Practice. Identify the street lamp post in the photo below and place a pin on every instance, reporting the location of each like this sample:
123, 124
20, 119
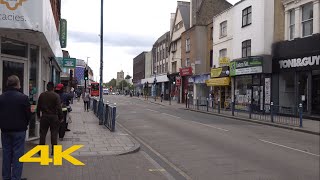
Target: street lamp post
101, 51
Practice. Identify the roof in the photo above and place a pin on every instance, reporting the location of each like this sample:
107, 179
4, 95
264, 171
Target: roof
185, 14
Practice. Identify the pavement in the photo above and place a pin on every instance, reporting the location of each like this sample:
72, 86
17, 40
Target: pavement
309, 126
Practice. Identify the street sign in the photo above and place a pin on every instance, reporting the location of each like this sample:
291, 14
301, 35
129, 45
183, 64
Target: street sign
69, 62
63, 33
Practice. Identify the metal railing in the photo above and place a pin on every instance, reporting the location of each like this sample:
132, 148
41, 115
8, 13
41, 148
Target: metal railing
271, 113
105, 112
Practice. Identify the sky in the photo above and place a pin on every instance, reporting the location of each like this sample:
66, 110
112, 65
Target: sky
130, 27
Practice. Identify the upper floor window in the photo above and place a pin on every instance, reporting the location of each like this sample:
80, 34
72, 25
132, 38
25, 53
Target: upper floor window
307, 19
178, 26
187, 62
174, 46
223, 29
13, 47
292, 23
188, 45
246, 16
246, 48
223, 53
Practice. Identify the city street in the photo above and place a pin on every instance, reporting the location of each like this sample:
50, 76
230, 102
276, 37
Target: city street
191, 145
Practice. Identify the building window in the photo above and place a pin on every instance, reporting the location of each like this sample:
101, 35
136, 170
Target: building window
246, 48
174, 46
163, 68
188, 45
223, 29
246, 16
178, 26
13, 47
187, 62
292, 25
307, 19
223, 53
174, 67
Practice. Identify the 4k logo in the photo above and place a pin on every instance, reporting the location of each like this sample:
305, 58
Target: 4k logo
12, 4
58, 155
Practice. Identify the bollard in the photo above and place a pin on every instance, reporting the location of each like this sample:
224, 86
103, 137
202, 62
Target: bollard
232, 108
271, 111
197, 103
207, 104
113, 124
250, 111
219, 105
300, 114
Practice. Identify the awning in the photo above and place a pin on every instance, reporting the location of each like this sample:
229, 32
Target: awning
224, 81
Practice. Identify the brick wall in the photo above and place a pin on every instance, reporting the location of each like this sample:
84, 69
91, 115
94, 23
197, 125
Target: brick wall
139, 67
56, 10
190, 33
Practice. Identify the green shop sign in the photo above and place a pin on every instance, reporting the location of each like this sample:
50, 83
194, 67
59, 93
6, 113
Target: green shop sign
63, 33
250, 65
69, 62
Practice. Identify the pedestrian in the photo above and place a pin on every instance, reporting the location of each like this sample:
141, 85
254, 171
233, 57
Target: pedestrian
15, 115
79, 94
72, 94
49, 112
65, 102
161, 96
86, 99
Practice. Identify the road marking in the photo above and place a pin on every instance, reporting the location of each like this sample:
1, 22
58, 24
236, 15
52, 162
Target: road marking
152, 110
157, 166
171, 115
207, 125
157, 154
289, 148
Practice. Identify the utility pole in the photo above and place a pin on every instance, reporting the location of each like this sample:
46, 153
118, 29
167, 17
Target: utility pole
101, 52
85, 81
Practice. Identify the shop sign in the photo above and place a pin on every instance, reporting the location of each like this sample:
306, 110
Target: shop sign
186, 71
224, 61
178, 81
251, 65
224, 81
63, 33
220, 72
69, 62
300, 62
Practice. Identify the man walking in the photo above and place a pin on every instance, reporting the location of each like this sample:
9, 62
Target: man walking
49, 112
15, 115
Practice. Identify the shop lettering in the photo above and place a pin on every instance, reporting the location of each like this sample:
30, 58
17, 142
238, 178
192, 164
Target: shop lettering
242, 64
300, 62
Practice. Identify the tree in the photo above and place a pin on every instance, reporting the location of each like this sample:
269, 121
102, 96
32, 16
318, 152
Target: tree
128, 77
122, 84
113, 83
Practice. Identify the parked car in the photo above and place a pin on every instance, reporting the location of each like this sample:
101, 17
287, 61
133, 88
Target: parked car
105, 91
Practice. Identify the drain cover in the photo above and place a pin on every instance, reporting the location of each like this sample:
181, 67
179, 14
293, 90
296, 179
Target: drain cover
79, 132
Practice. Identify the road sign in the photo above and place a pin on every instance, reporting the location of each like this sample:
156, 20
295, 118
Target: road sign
69, 62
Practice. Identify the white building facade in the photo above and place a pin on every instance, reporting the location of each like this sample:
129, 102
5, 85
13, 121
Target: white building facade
29, 46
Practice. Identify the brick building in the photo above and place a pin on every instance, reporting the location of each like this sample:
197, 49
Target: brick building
56, 10
139, 70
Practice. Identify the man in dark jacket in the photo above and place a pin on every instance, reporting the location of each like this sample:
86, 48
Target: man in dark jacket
15, 115
49, 112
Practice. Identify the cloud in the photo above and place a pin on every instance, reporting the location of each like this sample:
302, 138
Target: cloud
113, 39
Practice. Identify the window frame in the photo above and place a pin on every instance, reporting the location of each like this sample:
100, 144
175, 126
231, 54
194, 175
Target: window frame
246, 45
223, 33
246, 14
291, 24
188, 45
223, 50
303, 22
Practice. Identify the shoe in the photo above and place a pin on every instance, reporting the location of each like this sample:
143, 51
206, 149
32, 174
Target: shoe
68, 130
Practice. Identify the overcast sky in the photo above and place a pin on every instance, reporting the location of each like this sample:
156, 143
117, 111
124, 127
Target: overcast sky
130, 27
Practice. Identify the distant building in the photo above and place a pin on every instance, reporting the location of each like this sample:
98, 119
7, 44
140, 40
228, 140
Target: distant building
120, 77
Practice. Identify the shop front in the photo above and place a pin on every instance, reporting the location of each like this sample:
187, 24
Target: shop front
296, 78
201, 90
29, 49
251, 83
221, 87
185, 74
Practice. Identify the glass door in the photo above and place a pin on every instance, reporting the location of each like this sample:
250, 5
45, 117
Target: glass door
316, 92
10, 67
303, 89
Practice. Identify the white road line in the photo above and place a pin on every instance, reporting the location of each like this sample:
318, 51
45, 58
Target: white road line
157, 154
171, 115
152, 110
210, 126
289, 148
157, 166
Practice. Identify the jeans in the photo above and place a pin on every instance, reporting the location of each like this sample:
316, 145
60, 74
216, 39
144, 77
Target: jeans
86, 105
13, 149
46, 122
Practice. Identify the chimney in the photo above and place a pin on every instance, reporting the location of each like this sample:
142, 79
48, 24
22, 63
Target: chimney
172, 20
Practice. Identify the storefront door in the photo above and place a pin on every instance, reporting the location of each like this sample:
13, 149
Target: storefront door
303, 89
10, 67
316, 92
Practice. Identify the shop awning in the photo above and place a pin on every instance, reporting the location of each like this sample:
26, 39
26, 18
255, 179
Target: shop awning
224, 81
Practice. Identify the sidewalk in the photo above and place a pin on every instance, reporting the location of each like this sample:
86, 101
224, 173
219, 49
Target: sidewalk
309, 126
97, 139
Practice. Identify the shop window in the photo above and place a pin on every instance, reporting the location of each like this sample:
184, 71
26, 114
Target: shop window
243, 92
223, 29
247, 16
292, 23
307, 19
246, 48
14, 48
287, 89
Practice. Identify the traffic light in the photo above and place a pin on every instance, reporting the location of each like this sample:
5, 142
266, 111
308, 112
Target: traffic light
71, 73
86, 74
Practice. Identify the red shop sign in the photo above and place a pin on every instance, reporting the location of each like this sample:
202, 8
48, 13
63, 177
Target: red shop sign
186, 71
178, 81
